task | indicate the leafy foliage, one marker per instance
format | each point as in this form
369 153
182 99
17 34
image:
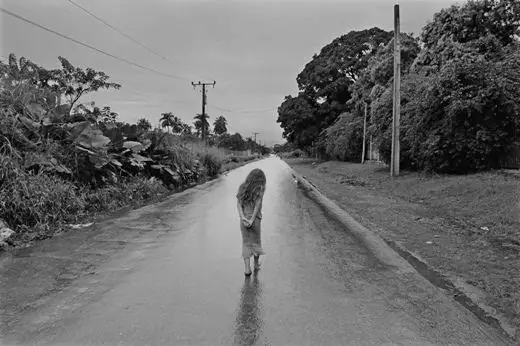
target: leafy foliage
144 125
472 116
325 85
61 162
232 142
212 164
74 82
459 96
220 125
344 139
172 122
297 117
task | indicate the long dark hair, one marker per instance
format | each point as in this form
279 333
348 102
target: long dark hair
250 190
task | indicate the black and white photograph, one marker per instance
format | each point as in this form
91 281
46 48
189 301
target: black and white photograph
259 172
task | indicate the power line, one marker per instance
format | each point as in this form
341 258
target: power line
258 110
242 111
90 47
119 31
204 101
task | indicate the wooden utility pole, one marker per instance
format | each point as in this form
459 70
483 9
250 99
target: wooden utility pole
364 135
204 102
370 149
394 164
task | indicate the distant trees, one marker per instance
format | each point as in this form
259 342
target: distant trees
144 124
172 122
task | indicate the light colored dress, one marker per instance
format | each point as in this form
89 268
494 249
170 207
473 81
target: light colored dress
251 237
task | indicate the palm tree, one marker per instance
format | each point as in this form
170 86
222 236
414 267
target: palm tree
177 125
186 129
220 125
202 125
167 120
144 124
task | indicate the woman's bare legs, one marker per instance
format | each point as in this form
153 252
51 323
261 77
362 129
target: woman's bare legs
257 262
247 265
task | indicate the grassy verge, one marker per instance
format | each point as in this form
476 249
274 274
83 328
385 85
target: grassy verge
466 227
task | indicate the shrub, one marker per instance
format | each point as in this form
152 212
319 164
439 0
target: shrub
212 164
344 139
39 201
296 153
123 193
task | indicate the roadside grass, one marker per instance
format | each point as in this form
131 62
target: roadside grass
465 226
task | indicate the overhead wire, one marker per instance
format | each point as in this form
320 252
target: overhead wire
118 31
242 111
120 58
155 53
121 32
91 47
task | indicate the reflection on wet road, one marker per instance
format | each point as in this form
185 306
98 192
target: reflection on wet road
249 320
183 284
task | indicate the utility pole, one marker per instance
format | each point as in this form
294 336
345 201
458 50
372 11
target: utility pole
394 168
364 135
204 102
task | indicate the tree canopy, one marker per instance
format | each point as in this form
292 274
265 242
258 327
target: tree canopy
325 85
459 91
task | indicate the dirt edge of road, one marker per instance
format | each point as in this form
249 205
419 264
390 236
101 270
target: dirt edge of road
392 253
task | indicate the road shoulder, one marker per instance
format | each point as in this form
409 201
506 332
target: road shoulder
445 252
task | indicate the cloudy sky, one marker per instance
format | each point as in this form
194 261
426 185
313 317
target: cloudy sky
254 49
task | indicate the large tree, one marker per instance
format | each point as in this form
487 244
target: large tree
481 27
297 117
329 74
325 85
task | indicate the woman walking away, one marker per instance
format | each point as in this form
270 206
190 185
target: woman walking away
249 203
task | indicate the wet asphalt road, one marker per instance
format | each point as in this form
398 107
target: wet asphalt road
183 283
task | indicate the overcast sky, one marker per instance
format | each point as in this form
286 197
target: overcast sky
254 49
